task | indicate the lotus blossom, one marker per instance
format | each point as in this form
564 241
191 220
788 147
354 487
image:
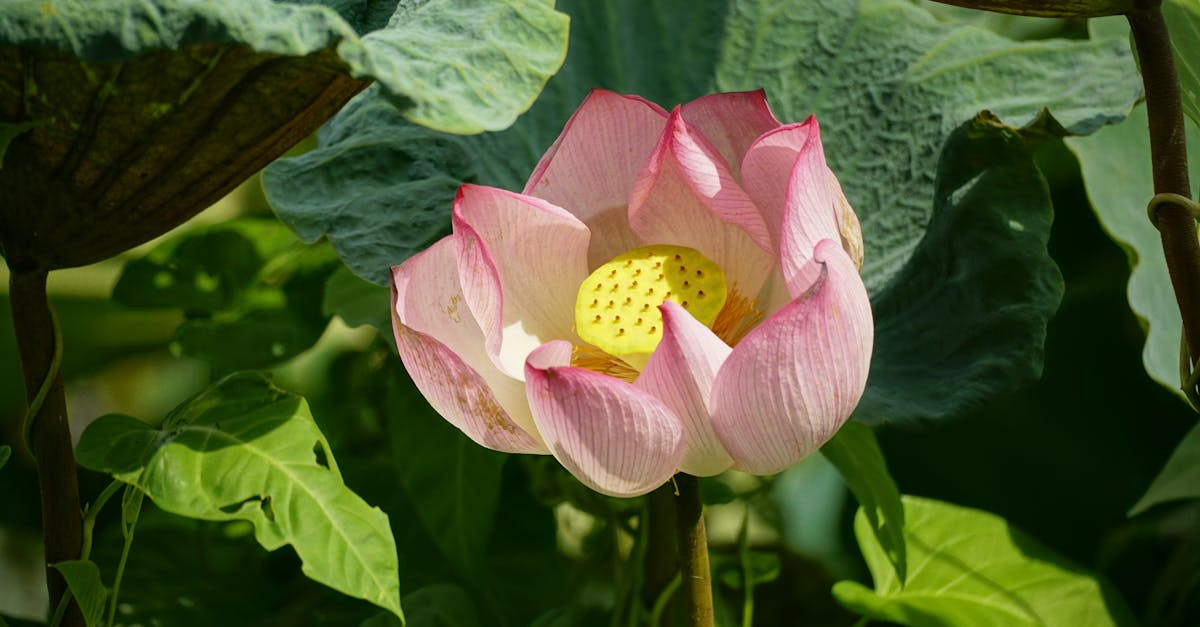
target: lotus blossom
670 292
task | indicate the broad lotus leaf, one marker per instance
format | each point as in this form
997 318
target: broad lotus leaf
144 113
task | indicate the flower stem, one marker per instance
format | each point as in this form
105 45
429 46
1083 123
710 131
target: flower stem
693 553
662 560
48 429
1168 155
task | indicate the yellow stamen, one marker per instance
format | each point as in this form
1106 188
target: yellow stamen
596 360
737 317
698 285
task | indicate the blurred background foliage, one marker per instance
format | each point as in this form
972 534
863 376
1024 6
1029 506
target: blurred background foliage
1063 458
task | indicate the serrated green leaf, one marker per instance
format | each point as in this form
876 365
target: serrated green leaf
1116 168
896 92
454 483
1179 478
83 578
244 450
1183 20
967 567
856 454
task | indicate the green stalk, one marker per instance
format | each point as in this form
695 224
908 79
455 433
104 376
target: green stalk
693 553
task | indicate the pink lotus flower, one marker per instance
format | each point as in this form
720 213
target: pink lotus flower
672 291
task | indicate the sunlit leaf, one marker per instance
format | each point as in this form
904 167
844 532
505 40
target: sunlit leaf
967 567
244 450
1180 477
83 578
856 454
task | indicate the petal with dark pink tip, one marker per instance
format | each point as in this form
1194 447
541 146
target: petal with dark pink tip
731 122
687 196
442 348
592 165
615 438
681 373
521 261
792 381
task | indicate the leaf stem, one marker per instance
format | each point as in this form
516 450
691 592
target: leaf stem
693 553
48 428
131 508
1168 155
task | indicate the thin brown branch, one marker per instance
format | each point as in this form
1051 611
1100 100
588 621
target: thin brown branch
1168 150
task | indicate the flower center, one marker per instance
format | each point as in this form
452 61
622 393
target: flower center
616 309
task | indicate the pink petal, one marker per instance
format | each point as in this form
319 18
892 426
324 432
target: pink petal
731 121
680 373
592 165
792 381
615 438
687 196
521 261
442 349
786 174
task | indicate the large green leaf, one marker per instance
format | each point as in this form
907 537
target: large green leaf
1183 20
457 65
454 483
896 91
968 567
966 316
1116 168
856 454
244 450
1180 477
83 578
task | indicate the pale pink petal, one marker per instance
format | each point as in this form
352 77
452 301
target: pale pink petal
592 165
793 381
767 171
442 348
687 196
681 373
613 437
731 122
521 261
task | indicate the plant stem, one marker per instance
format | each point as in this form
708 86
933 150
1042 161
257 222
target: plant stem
693 553
662 558
49 431
1168 155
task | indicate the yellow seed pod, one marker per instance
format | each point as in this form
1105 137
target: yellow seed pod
616 309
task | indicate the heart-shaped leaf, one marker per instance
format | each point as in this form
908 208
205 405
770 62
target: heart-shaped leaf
244 450
967 567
